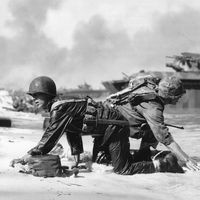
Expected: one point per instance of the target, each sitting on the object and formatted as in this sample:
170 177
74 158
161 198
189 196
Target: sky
78 41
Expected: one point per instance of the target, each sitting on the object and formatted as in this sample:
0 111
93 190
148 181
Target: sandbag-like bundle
48 166
45 165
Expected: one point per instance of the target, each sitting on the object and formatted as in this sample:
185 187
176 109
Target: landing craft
185 66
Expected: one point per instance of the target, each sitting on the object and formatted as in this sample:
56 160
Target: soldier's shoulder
153 104
60 103
57 103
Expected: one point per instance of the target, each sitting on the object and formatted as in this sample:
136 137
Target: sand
101 183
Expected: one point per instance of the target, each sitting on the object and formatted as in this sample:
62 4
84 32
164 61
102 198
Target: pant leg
143 154
122 160
148 140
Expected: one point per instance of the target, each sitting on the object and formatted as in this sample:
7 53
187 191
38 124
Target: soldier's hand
16 161
192 165
23 160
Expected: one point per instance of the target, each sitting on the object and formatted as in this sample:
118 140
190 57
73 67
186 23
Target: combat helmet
171 88
42 84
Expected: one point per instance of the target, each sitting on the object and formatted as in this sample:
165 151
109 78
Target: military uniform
147 122
66 117
144 110
69 116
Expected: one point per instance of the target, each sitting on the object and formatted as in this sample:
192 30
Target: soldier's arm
155 119
57 124
183 157
153 114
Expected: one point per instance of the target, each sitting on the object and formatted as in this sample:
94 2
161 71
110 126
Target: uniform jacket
66 117
148 111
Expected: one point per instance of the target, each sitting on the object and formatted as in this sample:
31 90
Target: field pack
48 166
139 89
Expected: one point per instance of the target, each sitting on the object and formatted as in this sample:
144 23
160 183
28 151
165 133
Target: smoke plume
99 52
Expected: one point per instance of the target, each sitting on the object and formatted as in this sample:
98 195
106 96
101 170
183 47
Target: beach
101 183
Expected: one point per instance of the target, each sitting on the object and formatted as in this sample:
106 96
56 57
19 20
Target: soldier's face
41 100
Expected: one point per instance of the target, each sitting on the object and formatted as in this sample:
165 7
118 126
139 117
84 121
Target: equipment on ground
45 166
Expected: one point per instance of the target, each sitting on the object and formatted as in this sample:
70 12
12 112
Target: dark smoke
105 53
29 53
172 33
99 52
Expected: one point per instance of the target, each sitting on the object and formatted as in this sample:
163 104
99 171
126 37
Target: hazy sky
77 41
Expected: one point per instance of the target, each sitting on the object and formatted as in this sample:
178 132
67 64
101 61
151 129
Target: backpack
139 89
48 166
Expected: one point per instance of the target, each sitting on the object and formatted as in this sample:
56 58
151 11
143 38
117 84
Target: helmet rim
43 85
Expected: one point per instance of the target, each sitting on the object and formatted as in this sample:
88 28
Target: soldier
144 111
43 91
68 117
